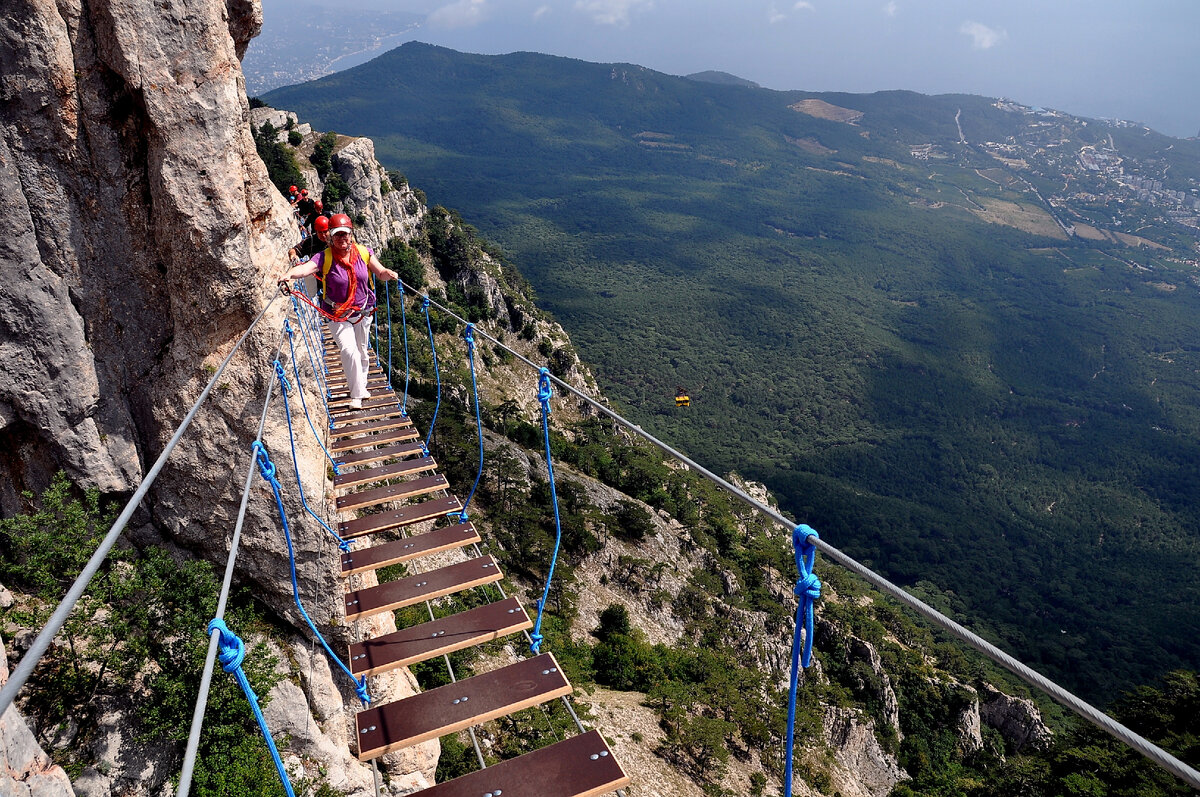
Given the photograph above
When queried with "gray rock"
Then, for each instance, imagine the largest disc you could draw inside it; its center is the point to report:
(1017, 719)
(25, 769)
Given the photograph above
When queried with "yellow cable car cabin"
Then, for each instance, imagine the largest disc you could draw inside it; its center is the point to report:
(681, 398)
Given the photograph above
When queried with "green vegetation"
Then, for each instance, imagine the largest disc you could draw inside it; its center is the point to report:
(279, 160)
(136, 642)
(944, 398)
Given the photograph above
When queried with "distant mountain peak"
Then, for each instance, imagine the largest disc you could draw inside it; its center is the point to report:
(722, 78)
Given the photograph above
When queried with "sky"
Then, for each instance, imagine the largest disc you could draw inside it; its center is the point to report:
(1131, 59)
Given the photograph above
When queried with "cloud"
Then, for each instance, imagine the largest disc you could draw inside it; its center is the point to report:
(541, 12)
(890, 9)
(804, 5)
(983, 37)
(774, 15)
(611, 12)
(461, 14)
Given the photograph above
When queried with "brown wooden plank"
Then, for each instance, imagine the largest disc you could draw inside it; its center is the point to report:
(380, 454)
(378, 397)
(459, 705)
(427, 640)
(395, 518)
(370, 427)
(389, 553)
(421, 587)
(392, 492)
(582, 766)
(395, 470)
(372, 410)
(385, 438)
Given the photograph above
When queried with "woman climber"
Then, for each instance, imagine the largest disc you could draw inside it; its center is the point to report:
(347, 297)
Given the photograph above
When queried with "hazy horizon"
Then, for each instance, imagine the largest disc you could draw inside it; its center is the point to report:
(1103, 59)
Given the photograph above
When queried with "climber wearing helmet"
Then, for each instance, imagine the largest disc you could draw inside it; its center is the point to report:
(313, 243)
(343, 271)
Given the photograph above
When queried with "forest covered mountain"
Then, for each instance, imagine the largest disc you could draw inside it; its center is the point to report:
(955, 334)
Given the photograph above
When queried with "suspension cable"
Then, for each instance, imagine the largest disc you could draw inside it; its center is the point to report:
(1061, 695)
(38, 649)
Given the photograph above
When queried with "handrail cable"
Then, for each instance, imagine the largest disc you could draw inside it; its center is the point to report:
(1084, 709)
(40, 644)
(214, 641)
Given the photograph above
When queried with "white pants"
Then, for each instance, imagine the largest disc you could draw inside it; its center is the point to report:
(351, 341)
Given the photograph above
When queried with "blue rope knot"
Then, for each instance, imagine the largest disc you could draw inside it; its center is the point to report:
(282, 377)
(345, 546)
(469, 337)
(360, 688)
(809, 588)
(287, 327)
(265, 466)
(535, 642)
(231, 649)
(425, 303)
(545, 389)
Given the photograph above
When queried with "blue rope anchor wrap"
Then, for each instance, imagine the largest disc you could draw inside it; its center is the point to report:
(469, 336)
(545, 392)
(267, 468)
(437, 374)
(231, 653)
(808, 589)
(304, 403)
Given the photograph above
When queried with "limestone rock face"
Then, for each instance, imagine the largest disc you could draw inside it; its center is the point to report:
(1017, 719)
(866, 770)
(26, 769)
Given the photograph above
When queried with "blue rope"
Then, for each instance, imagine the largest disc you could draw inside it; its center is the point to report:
(304, 403)
(232, 651)
(544, 393)
(437, 374)
(287, 411)
(469, 336)
(267, 468)
(319, 373)
(407, 372)
(808, 589)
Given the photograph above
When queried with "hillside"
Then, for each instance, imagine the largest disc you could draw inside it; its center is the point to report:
(892, 329)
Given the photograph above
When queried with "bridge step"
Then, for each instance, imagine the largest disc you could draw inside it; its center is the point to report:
(379, 455)
(392, 492)
(372, 410)
(350, 444)
(395, 470)
(460, 705)
(379, 396)
(395, 518)
(384, 425)
(421, 587)
(390, 553)
(582, 766)
(427, 640)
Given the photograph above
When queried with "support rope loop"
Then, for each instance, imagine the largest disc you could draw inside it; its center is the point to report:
(544, 394)
(808, 589)
(404, 326)
(360, 684)
(232, 653)
(437, 375)
(287, 412)
(304, 404)
(469, 336)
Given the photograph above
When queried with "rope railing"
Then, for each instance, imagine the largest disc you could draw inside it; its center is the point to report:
(1058, 693)
(42, 642)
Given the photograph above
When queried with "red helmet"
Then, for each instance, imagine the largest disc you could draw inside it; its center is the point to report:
(321, 224)
(291, 189)
(317, 204)
(303, 192)
(339, 222)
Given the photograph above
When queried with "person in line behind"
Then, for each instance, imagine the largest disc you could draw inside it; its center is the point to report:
(312, 244)
(343, 272)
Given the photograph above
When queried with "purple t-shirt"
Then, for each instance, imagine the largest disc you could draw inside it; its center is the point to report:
(337, 282)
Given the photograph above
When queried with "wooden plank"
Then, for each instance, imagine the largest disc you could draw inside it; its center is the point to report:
(372, 410)
(582, 766)
(427, 640)
(421, 587)
(389, 553)
(380, 454)
(397, 422)
(456, 706)
(381, 473)
(394, 519)
(386, 438)
(378, 397)
(392, 492)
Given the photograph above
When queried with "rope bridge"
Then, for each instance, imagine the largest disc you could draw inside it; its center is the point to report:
(382, 466)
